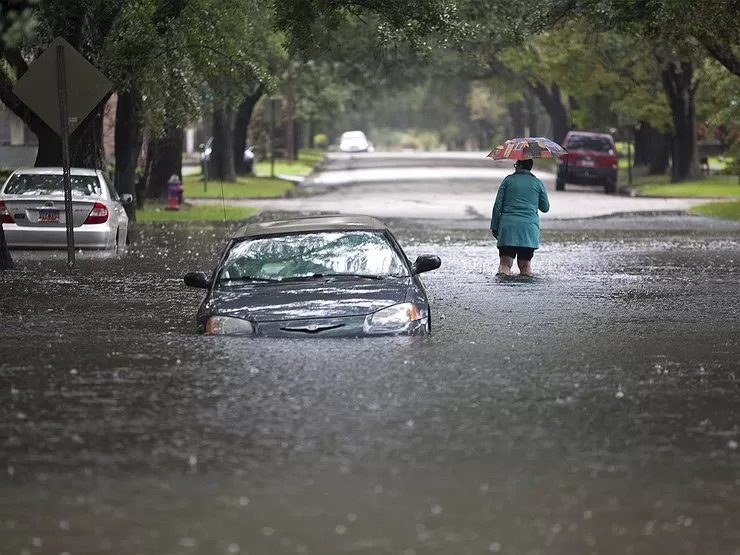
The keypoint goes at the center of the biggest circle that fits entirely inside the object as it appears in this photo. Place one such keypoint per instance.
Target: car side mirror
(426, 263)
(127, 198)
(197, 279)
(201, 146)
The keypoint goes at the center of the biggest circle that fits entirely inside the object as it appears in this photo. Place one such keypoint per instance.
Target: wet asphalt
(590, 410)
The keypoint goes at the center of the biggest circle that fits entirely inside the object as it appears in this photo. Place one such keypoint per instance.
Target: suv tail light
(98, 215)
(5, 216)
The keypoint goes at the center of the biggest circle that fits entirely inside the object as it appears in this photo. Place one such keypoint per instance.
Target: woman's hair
(525, 164)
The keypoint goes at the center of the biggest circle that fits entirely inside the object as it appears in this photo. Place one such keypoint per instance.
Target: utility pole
(290, 139)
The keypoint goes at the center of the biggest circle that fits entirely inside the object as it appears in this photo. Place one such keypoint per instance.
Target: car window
(111, 188)
(301, 255)
(351, 135)
(46, 184)
(585, 142)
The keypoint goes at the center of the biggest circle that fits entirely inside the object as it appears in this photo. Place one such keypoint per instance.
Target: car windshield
(319, 254)
(585, 142)
(353, 136)
(46, 184)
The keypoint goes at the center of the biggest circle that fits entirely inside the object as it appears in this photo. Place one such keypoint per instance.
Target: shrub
(320, 140)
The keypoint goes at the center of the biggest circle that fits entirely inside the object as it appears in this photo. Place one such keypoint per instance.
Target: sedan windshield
(308, 255)
(46, 184)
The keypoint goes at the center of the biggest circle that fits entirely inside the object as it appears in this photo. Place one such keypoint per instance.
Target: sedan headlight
(226, 325)
(393, 318)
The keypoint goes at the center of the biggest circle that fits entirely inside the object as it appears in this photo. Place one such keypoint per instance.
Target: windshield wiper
(332, 275)
(248, 278)
(363, 276)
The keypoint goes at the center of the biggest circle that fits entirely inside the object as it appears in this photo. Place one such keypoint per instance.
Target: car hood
(311, 299)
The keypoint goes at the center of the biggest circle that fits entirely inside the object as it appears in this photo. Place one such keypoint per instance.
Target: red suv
(591, 160)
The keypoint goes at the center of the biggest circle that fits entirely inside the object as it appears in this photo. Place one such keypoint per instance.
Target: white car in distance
(355, 141)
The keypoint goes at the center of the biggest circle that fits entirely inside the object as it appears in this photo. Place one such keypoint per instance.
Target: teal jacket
(515, 217)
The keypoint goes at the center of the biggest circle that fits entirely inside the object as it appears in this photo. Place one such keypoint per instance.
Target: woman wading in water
(515, 222)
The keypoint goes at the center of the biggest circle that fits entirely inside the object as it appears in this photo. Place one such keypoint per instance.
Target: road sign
(39, 87)
(62, 86)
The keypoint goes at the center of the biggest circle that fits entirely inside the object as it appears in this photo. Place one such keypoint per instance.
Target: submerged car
(33, 212)
(332, 276)
(591, 160)
(355, 141)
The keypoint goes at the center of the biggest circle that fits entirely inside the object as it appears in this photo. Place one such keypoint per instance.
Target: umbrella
(524, 148)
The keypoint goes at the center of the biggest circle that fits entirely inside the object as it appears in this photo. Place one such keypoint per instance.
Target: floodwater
(590, 410)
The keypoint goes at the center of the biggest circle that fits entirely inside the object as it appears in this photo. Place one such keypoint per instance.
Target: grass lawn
(215, 212)
(283, 167)
(307, 159)
(243, 187)
(714, 186)
(725, 210)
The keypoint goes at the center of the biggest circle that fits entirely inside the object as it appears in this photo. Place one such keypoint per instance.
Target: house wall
(17, 143)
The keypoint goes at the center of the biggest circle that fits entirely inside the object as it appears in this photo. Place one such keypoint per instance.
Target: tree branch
(16, 61)
(721, 52)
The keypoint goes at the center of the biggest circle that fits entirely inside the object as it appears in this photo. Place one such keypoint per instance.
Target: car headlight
(226, 325)
(393, 318)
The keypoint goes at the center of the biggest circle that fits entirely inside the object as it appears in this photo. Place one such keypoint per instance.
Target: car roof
(353, 134)
(310, 224)
(589, 134)
(55, 171)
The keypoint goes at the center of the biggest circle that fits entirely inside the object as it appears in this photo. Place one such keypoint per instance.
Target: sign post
(64, 118)
(45, 88)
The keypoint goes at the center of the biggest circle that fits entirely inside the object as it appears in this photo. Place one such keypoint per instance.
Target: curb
(626, 191)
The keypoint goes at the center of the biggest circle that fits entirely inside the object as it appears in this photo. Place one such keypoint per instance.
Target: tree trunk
(164, 160)
(311, 136)
(6, 261)
(553, 103)
(532, 116)
(298, 138)
(222, 156)
(659, 152)
(516, 115)
(642, 144)
(652, 149)
(128, 136)
(86, 149)
(677, 77)
(241, 127)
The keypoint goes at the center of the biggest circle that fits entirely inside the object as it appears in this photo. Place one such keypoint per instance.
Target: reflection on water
(590, 410)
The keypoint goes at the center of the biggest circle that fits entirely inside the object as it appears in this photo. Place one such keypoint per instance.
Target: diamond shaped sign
(39, 90)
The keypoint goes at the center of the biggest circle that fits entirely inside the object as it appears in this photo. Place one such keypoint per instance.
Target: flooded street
(590, 410)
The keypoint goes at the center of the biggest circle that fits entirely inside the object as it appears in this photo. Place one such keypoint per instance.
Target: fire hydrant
(174, 193)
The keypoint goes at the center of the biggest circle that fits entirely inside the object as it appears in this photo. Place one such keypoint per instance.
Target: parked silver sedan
(33, 215)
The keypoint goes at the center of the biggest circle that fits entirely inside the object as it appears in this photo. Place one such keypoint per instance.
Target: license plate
(49, 216)
(586, 163)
